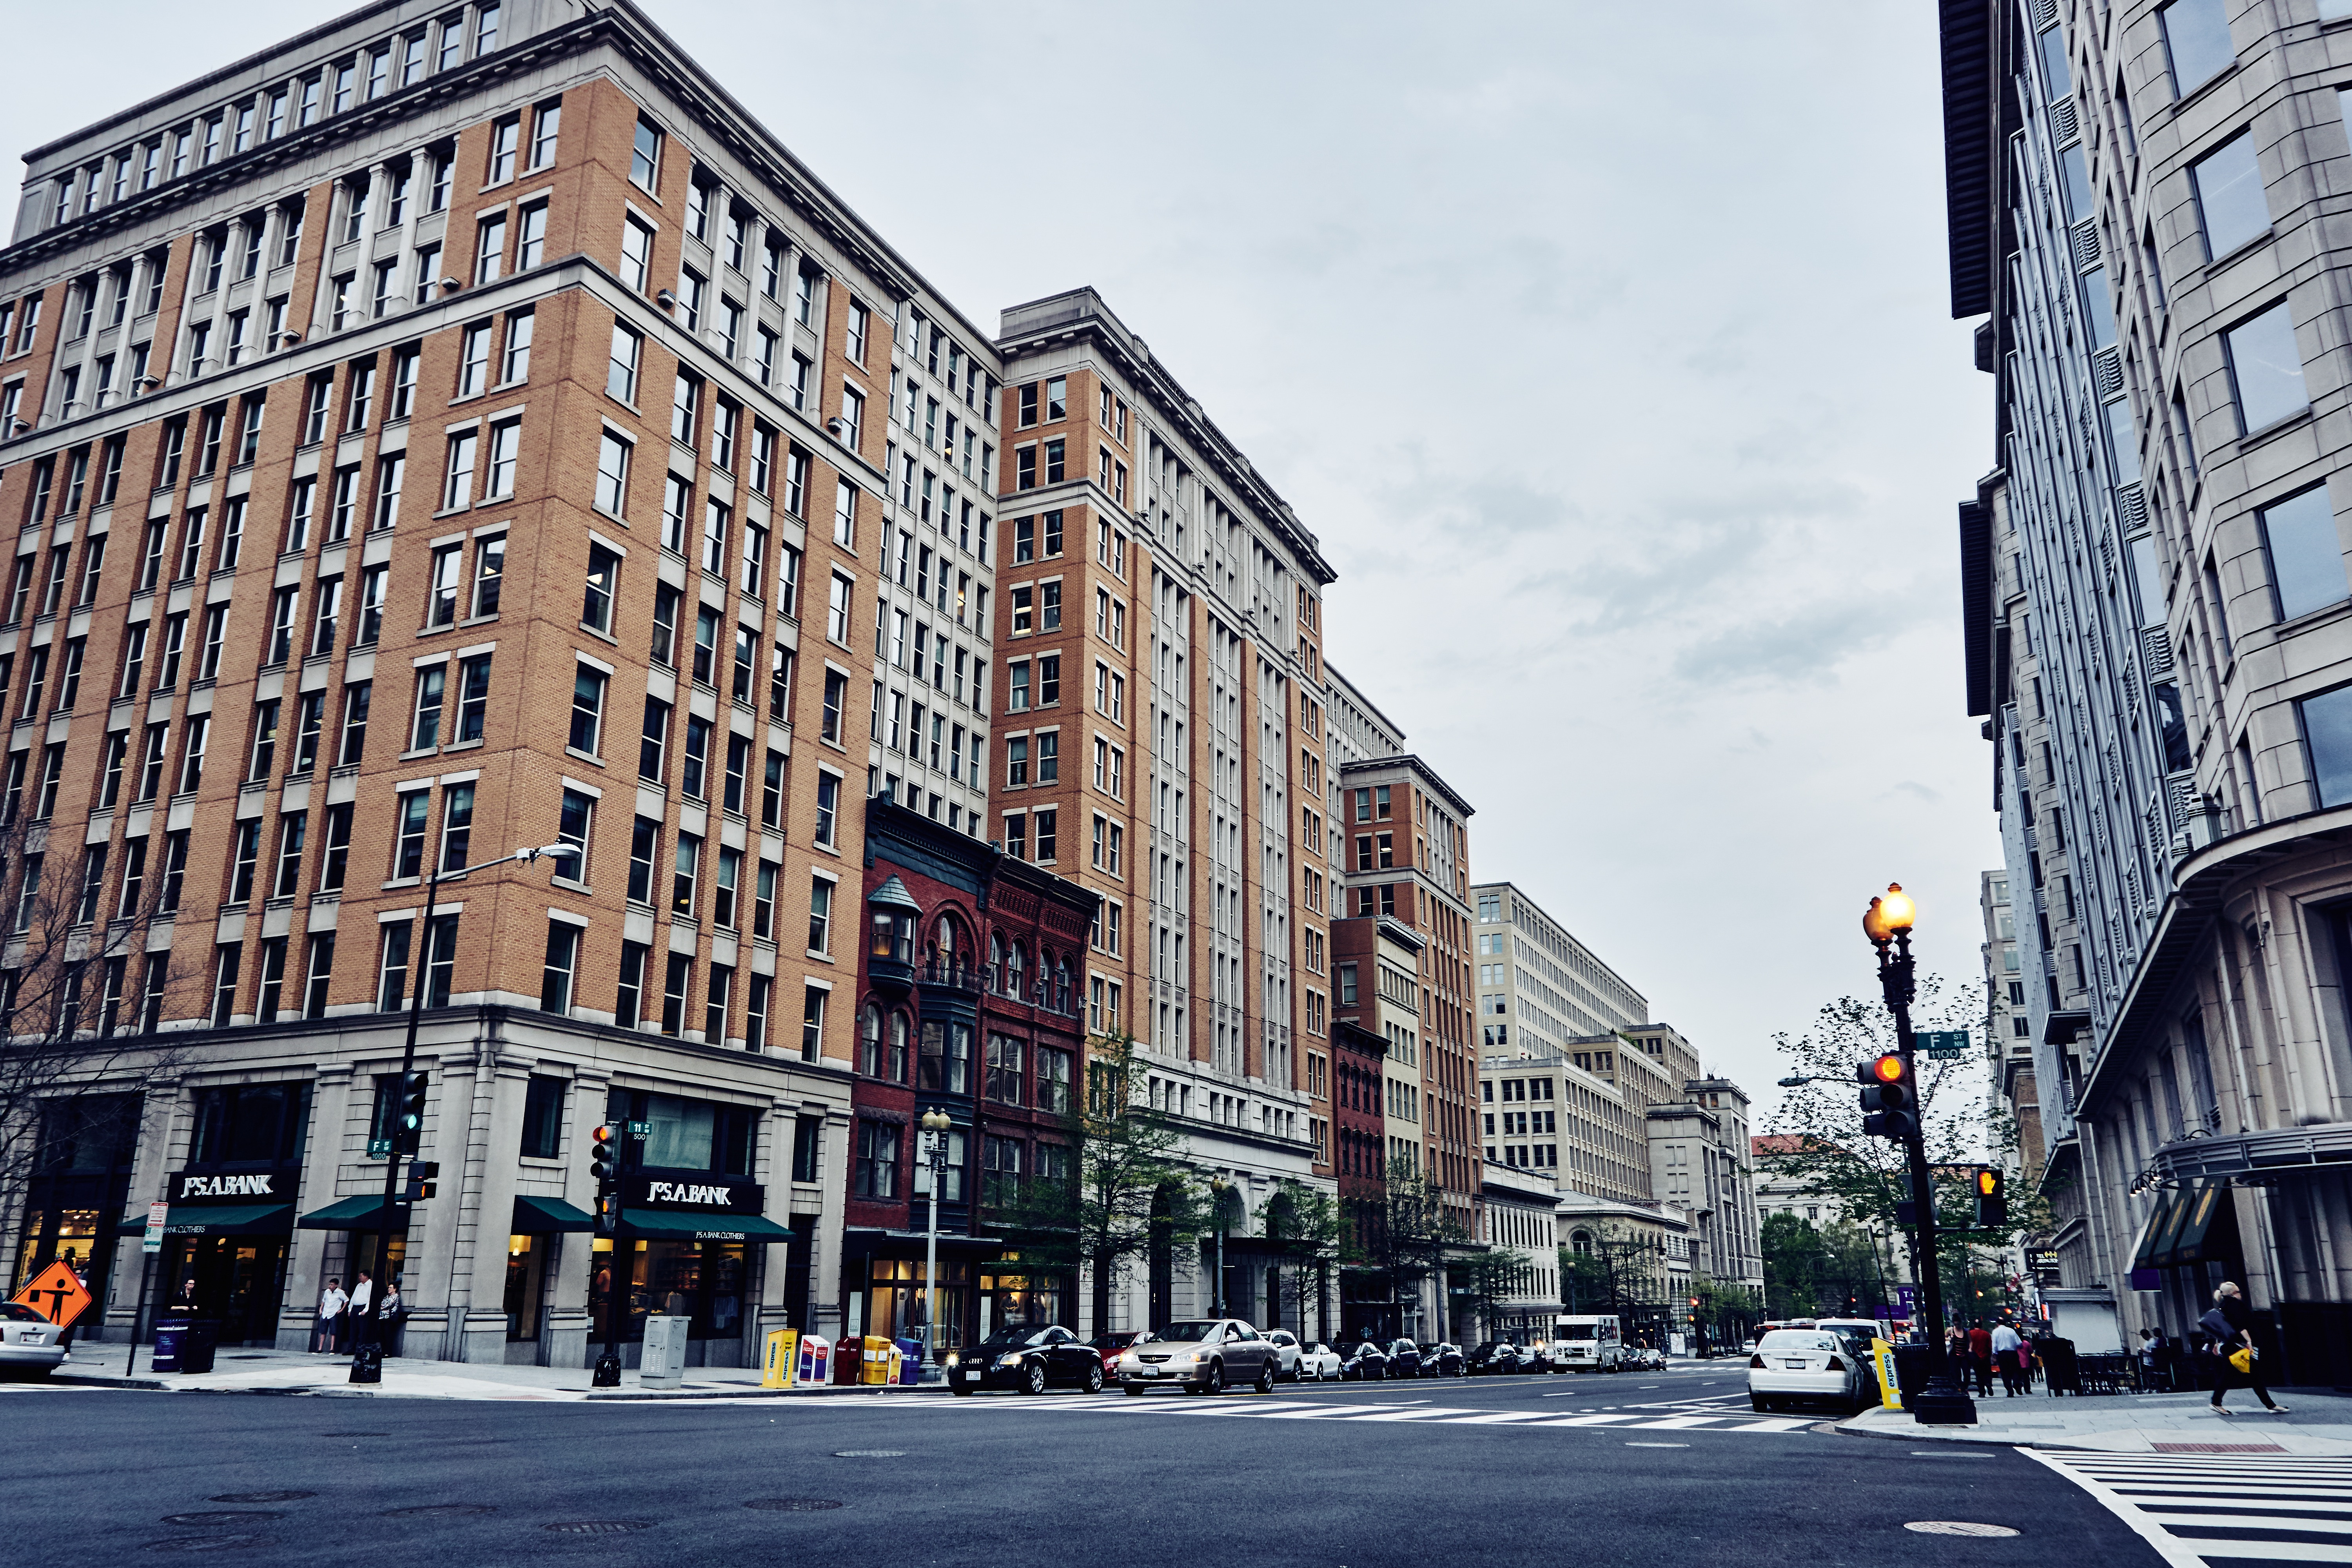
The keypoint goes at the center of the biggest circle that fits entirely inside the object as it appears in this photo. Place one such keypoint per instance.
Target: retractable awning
(672, 1225)
(2201, 1206)
(539, 1216)
(2159, 1225)
(218, 1219)
(359, 1213)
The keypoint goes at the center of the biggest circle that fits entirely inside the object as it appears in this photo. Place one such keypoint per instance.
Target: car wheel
(1033, 1378)
(1758, 1402)
(1094, 1381)
(963, 1388)
(1265, 1377)
(1213, 1382)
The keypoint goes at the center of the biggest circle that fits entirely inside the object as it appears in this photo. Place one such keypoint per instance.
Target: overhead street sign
(1942, 1044)
(57, 1293)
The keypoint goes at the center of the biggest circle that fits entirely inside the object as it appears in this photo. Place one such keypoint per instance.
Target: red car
(1110, 1347)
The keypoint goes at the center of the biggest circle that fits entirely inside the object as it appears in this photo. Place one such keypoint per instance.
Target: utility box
(662, 1363)
(777, 1366)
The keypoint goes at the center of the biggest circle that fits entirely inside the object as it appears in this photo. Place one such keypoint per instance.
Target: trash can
(367, 1364)
(197, 1350)
(171, 1335)
(910, 1360)
(664, 1361)
(1911, 1372)
(777, 1366)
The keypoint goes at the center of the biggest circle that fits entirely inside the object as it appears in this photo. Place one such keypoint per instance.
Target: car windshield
(1580, 1331)
(1185, 1333)
(1404, 1347)
(18, 1313)
(1798, 1340)
(1112, 1341)
(1015, 1334)
(1366, 1348)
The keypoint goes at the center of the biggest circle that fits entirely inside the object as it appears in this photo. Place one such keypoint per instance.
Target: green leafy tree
(1490, 1279)
(1302, 1224)
(1131, 1191)
(1809, 1271)
(1418, 1233)
(1961, 1124)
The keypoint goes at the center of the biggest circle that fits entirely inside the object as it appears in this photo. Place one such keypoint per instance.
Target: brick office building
(968, 1003)
(410, 428)
(1161, 742)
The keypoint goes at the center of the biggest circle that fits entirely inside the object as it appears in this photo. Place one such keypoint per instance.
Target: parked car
(1539, 1357)
(1365, 1362)
(1404, 1359)
(1287, 1348)
(1442, 1360)
(1026, 1357)
(1202, 1355)
(1654, 1359)
(1496, 1356)
(29, 1342)
(1319, 1363)
(1791, 1366)
(1111, 1346)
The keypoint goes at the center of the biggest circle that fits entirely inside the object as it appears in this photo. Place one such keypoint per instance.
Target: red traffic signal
(1889, 1103)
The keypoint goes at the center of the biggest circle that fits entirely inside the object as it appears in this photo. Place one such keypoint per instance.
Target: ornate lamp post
(1887, 922)
(935, 1125)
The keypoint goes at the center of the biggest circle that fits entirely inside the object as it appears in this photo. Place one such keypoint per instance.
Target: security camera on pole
(1891, 1108)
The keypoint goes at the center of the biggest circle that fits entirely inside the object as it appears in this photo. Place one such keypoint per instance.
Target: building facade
(2154, 584)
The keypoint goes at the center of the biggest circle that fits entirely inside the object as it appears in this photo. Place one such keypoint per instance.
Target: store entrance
(239, 1281)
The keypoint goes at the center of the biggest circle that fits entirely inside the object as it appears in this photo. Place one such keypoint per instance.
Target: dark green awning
(2159, 1225)
(539, 1216)
(358, 1213)
(2200, 1208)
(218, 1219)
(671, 1224)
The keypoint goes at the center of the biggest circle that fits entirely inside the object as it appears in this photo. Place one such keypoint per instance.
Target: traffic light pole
(1945, 1400)
(369, 1339)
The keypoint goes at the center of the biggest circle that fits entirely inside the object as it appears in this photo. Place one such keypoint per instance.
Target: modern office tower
(2154, 581)
(453, 429)
(2008, 1028)
(1160, 740)
(1538, 986)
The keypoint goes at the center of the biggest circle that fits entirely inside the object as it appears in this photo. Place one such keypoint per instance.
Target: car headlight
(1012, 1359)
(952, 1359)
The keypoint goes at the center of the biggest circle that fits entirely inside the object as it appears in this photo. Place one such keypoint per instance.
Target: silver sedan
(29, 1342)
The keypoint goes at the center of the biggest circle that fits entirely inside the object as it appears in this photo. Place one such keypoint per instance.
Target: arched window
(995, 951)
(946, 941)
(899, 1030)
(869, 1040)
(1020, 962)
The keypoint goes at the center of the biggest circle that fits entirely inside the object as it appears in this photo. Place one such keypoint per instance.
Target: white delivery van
(1588, 1344)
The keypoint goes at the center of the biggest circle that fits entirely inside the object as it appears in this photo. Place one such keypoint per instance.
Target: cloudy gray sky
(1603, 346)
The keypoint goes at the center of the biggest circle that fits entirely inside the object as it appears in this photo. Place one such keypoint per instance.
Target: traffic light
(411, 1130)
(421, 1177)
(1992, 1199)
(1889, 1102)
(604, 1159)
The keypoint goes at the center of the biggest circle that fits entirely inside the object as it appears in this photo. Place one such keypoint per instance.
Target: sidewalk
(2317, 1422)
(242, 1371)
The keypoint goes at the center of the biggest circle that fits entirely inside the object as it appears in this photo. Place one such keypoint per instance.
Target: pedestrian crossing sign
(57, 1293)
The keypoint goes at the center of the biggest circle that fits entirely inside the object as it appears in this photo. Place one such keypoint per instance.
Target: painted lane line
(2283, 1522)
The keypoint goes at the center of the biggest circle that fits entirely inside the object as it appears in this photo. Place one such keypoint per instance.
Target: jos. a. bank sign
(251, 1187)
(705, 1194)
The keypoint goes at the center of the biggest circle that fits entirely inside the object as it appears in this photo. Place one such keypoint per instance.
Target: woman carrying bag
(2229, 1326)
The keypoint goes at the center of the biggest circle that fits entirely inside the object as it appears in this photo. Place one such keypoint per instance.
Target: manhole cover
(599, 1526)
(869, 1453)
(792, 1504)
(204, 1542)
(441, 1510)
(1957, 1526)
(261, 1496)
(254, 1516)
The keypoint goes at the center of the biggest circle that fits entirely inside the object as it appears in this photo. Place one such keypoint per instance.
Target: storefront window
(894, 1300)
(1011, 1298)
(526, 1283)
(702, 1281)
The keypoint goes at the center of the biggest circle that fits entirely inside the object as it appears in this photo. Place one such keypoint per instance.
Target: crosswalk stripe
(2197, 1510)
(1727, 1419)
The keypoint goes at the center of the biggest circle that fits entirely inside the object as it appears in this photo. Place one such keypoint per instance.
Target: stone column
(568, 1338)
(429, 1264)
(150, 1165)
(478, 1319)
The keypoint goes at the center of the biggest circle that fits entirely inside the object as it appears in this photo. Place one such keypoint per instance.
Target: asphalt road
(102, 1476)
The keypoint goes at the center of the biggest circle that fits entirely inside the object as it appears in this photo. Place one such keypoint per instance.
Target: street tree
(1490, 1279)
(1301, 1224)
(1836, 1268)
(1418, 1235)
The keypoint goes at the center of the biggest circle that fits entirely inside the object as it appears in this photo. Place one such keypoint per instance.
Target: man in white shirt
(362, 1301)
(331, 1303)
(2005, 1342)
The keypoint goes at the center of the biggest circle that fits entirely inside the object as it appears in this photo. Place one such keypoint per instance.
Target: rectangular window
(2306, 557)
(2230, 202)
(613, 475)
(2196, 42)
(820, 927)
(557, 973)
(2264, 366)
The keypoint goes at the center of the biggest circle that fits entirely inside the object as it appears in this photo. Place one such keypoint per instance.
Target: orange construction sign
(57, 1293)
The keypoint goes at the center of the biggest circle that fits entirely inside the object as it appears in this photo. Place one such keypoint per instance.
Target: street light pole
(935, 1126)
(420, 971)
(1220, 1186)
(1888, 925)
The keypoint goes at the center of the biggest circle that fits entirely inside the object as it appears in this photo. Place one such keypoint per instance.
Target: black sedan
(1364, 1363)
(1442, 1361)
(1404, 1359)
(1497, 1356)
(1028, 1358)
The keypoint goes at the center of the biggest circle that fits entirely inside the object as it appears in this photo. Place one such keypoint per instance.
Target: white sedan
(1318, 1364)
(1287, 1347)
(1796, 1365)
(29, 1342)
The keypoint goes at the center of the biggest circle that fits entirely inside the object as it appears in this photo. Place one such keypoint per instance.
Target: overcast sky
(1604, 348)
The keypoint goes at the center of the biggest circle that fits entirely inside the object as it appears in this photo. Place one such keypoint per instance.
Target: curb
(159, 1386)
(879, 1391)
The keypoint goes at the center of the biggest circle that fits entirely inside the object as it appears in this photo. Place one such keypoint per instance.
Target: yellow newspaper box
(784, 1351)
(1890, 1392)
(880, 1365)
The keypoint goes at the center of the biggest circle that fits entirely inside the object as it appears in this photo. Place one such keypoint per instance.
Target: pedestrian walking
(1980, 1357)
(2006, 1344)
(390, 1311)
(358, 1316)
(331, 1303)
(2228, 1324)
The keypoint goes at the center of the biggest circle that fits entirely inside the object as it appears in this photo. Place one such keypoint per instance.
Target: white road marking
(2256, 1499)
